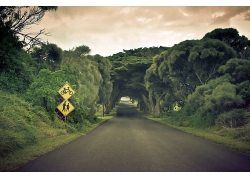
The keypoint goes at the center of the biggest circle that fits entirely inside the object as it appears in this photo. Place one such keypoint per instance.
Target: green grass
(27, 132)
(23, 156)
(212, 134)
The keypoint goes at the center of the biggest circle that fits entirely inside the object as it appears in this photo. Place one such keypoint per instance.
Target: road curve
(130, 143)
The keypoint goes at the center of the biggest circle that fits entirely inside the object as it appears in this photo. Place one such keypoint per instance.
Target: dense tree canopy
(47, 56)
(128, 71)
(231, 37)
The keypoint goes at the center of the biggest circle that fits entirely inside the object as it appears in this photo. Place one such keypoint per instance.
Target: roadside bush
(23, 125)
(232, 119)
(201, 121)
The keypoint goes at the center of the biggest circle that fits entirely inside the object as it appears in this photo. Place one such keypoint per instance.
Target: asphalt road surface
(130, 143)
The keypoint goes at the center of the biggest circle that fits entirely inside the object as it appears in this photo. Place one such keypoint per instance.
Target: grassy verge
(209, 133)
(25, 155)
(21, 157)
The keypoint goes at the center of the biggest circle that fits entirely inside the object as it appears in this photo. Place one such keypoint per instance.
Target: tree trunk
(146, 102)
(103, 109)
(151, 101)
(157, 108)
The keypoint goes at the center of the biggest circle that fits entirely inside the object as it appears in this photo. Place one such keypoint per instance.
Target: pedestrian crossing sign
(65, 107)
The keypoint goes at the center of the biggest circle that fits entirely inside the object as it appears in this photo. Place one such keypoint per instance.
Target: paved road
(130, 143)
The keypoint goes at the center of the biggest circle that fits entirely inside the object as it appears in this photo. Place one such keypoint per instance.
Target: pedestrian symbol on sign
(65, 107)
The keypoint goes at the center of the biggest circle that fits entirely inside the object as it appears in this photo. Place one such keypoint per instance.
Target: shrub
(233, 118)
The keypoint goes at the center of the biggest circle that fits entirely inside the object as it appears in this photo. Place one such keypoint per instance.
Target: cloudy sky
(110, 29)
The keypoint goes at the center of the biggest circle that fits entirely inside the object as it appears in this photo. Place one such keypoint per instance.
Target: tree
(105, 89)
(128, 71)
(43, 91)
(156, 87)
(89, 78)
(179, 70)
(128, 78)
(47, 56)
(14, 19)
(82, 50)
(175, 69)
(16, 67)
(216, 97)
(231, 37)
(239, 70)
(207, 56)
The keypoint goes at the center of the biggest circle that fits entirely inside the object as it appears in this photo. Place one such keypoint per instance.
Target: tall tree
(105, 89)
(231, 37)
(47, 56)
(14, 19)
(89, 78)
(207, 56)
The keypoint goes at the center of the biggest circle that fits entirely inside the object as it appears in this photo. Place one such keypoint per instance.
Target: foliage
(82, 50)
(88, 78)
(43, 91)
(208, 79)
(218, 96)
(231, 37)
(234, 118)
(17, 72)
(36, 76)
(128, 78)
(105, 89)
(239, 69)
(22, 124)
(128, 71)
(14, 19)
(207, 56)
(47, 56)
(139, 52)
(243, 89)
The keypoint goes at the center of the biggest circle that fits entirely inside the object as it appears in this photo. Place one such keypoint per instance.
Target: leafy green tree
(43, 91)
(207, 56)
(47, 56)
(105, 89)
(239, 70)
(139, 52)
(128, 71)
(175, 69)
(231, 37)
(156, 87)
(216, 97)
(16, 68)
(243, 89)
(17, 71)
(14, 19)
(128, 78)
(89, 78)
(82, 50)
(179, 70)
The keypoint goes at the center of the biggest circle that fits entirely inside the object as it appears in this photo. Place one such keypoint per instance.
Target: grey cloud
(107, 29)
(247, 16)
(230, 12)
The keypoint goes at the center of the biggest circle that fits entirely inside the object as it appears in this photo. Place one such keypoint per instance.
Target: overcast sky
(107, 30)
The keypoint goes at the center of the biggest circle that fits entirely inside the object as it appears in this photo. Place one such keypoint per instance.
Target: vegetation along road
(130, 143)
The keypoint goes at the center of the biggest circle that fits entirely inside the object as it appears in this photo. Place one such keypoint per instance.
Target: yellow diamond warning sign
(66, 91)
(65, 107)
